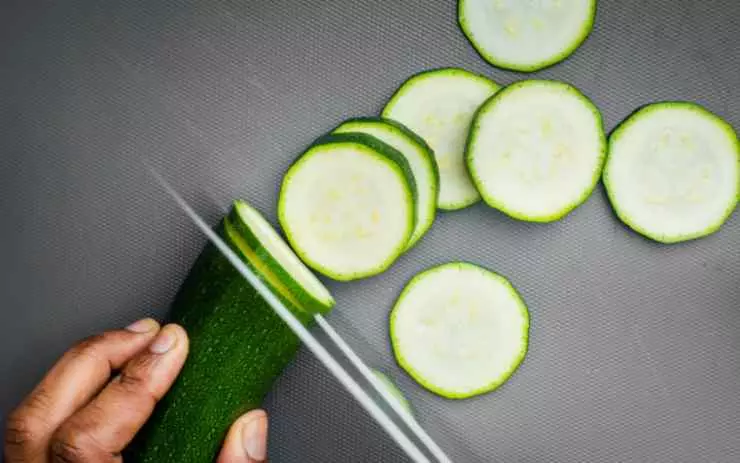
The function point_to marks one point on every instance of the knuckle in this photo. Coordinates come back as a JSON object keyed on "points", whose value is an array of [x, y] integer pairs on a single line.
{"points": [[20, 430], [26, 425], [37, 404], [136, 386], [131, 383], [140, 367], [87, 348], [70, 445], [88, 345]]}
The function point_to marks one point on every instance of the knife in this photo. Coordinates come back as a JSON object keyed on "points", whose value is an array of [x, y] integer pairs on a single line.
{"points": [[417, 444]]}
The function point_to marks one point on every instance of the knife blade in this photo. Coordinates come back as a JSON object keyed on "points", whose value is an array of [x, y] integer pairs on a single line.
{"points": [[408, 442]]}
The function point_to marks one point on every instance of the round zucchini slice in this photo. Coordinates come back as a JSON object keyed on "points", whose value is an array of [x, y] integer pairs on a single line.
{"points": [[438, 105], [536, 150], [348, 206], [673, 171], [420, 158], [526, 35], [459, 330]]}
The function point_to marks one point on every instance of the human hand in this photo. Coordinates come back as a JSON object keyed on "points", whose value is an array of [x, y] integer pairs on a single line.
{"points": [[101, 392]]}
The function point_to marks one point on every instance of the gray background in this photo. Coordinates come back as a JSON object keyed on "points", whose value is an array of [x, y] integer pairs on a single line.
{"points": [[635, 347]]}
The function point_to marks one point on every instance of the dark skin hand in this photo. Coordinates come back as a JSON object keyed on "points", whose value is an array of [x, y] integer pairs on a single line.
{"points": [[93, 401]]}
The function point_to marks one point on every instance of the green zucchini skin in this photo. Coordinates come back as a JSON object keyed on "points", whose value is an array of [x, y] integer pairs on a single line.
{"points": [[238, 348]]}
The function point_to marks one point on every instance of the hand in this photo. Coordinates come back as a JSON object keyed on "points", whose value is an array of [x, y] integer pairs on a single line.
{"points": [[79, 414]]}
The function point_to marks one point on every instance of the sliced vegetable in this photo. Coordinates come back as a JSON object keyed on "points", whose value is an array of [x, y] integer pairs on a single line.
{"points": [[459, 330], [536, 150], [347, 206], [526, 35], [261, 243], [238, 348], [393, 390], [673, 171], [420, 158], [438, 105]]}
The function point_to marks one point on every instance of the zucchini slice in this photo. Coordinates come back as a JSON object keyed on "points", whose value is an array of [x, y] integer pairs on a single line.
{"points": [[420, 158], [536, 150], [348, 206], [261, 243], [673, 172], [526, 35], [459, 330], [438, 105]]}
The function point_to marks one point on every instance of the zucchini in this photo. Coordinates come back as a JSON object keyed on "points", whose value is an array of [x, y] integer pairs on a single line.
{"points": [[673, 171], [348, 206], [459, 330], [438, 105], [238, 348], [526, 35], [420, 158], [536, 150]]}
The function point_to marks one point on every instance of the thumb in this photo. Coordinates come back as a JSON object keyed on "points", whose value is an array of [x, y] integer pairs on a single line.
{"points": [[246, 441]]}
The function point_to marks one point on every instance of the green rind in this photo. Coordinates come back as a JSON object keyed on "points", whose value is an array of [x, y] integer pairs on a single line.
{"points": [[418, 77], [258, 267], [585, 32], [238, 347], [449, 394], [424, 149], [475, 127], [377, 149], [305, 299], [634, 118]]}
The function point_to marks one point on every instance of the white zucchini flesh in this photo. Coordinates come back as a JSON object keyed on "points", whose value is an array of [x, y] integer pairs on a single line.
{"points": [[438, 106], [275, 253], [526, 35], [347, 209], [536, 150], [420, 158], [459, 330], [673, 172]]}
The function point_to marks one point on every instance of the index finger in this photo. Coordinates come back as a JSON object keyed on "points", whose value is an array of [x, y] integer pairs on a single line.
{"points": [[70, 384], [103, 428]]}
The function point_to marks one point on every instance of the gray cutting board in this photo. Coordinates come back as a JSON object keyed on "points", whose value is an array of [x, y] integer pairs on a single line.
{"points": [[635, 347]]}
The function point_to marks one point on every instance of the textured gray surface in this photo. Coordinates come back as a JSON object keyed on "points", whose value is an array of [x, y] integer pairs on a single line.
{"points": [[635, 351]]}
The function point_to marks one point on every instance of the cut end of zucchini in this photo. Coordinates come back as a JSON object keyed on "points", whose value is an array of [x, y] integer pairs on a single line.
{"points": [[277, 257], [261, 269], [438, 105], [526, 35], [347, 206], [536, 150], [420, 158], [459, 330], [673, 172]]}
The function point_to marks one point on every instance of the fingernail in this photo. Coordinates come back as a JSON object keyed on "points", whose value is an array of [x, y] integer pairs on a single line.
{"points": [[144, 325], [254, 437], [165, 340]]}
